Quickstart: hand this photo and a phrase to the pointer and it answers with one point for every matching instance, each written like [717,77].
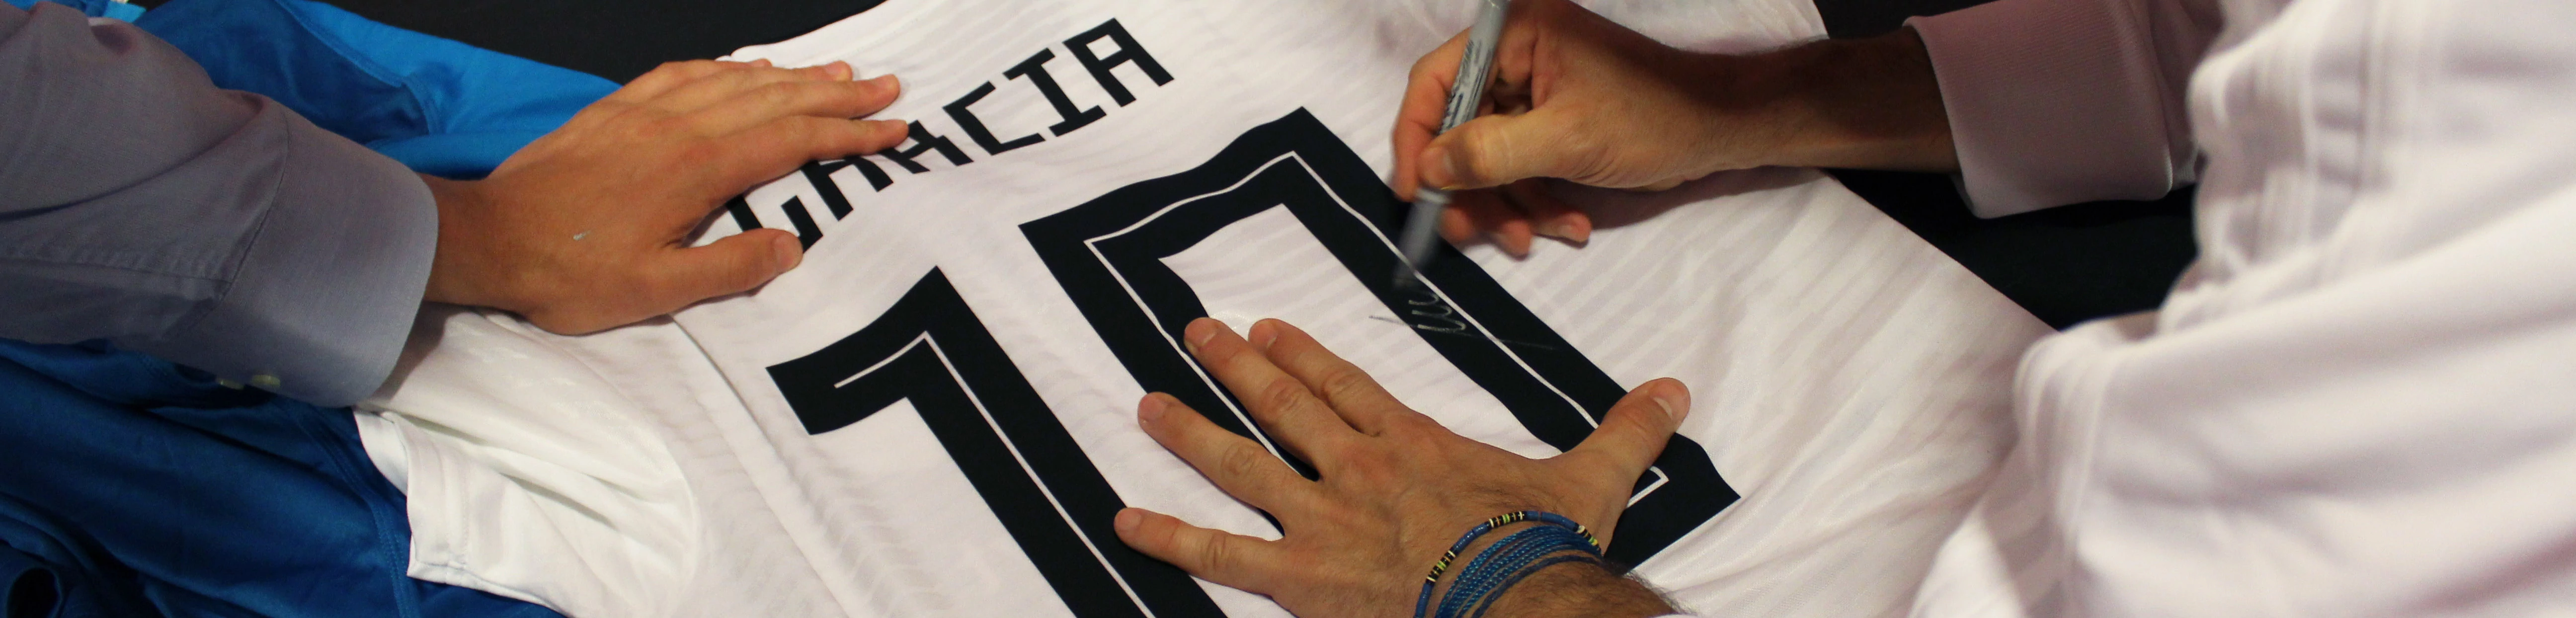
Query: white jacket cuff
[2054,102]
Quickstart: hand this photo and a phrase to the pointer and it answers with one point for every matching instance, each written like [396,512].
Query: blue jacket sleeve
[142,205]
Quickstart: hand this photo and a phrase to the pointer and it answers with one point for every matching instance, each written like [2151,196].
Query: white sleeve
[2358,402]
[2054,102]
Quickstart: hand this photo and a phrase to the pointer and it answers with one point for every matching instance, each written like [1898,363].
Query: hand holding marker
[1422,226]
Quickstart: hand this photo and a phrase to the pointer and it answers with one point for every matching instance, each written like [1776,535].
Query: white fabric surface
[2358,401]
[522,461]
[1850,379]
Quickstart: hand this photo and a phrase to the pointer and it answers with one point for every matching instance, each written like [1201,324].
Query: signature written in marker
[1461,332]
[1440,318]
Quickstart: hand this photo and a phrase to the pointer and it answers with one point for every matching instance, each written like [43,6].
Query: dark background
[2065,265]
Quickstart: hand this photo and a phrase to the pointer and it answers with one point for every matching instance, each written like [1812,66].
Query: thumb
[733,264]
[1634,431]
[1498,149]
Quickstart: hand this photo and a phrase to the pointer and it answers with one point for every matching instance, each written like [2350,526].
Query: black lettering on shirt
[1108,254]
[806,231]
[929,349]
[877,178]
[1034,70]
[821,175]
[1122,49]
[1128,52]
[740,209]
[924,142]
[975,129]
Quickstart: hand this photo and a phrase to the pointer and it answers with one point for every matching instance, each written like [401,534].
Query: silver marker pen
[1422,226]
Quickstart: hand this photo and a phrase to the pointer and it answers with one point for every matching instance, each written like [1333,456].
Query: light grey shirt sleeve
[213,228]
[2054,102]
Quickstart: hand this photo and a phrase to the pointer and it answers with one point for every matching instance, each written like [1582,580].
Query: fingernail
[1128,519]
[839,70]
[790,253]
[1150,409]
[1556,229]
[1199,332]
[1674,397]
[1264,332]
[760,63]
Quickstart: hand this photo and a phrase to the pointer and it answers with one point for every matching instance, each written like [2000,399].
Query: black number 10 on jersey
[1107,254]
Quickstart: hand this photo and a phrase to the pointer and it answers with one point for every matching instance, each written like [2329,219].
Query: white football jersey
[934,414]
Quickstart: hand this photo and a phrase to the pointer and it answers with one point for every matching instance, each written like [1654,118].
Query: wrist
[1869,103]
[453,274]
[1579,588]
[1527,554]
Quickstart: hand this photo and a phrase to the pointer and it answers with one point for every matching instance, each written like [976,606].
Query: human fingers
[726,85]
[1548,216]
[670,75]
[822,99]
[1347,390]
[1546,142]
[767,151]
[1632,433]
[1457,225]
[1226,558]
[1661,185]
[1276,400]
[1486,211]
[1514,70]
[1425,104]
[729,265]
[1234,463]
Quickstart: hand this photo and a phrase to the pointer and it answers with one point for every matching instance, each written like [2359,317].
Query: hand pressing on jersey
[1396,489]
[1577,97]
[581,230]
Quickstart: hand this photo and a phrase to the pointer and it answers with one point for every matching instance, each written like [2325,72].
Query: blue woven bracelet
[1493,569]
[1590,544]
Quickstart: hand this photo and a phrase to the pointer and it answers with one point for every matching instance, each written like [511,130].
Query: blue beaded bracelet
[1491,571]
[1505,563]
[1517,576]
